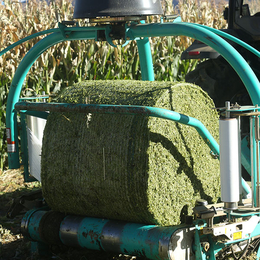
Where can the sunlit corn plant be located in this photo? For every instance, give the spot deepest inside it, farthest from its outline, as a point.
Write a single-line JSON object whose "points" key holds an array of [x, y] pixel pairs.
{"points": [[202, 12], [70, 62], [3, 99]]}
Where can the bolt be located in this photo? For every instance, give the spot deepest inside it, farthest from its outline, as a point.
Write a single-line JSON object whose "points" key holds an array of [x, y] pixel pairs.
{"points": [[205, 246]]}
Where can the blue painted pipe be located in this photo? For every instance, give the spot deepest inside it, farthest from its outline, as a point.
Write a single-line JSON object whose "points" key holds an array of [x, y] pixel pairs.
{"points": [[150, 241], [133, 33], [232, 56], [19, 77], [124, 109], [232, 38], [145, 57]]}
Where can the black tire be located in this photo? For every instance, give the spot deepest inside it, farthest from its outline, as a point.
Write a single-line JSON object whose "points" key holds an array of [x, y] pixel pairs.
{"points": [[220, 81]]}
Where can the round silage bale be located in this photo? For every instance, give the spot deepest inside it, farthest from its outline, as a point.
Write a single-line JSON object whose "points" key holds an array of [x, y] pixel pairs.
{"points": [[130, 167]]}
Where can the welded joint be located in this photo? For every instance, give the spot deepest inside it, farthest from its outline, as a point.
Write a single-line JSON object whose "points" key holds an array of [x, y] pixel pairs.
{"points": [[63, 30]]}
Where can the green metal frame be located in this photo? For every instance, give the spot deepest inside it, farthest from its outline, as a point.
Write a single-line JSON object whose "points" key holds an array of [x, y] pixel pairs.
{"points": [[140, 33], [25, 107]]}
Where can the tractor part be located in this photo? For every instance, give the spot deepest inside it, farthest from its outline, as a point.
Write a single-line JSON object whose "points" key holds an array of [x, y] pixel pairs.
{"points": [[243, 23], [215, 75]]}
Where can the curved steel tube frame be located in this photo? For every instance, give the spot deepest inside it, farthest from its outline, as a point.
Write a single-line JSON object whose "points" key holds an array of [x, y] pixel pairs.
{"points": [[140, 33], [25, 107]]}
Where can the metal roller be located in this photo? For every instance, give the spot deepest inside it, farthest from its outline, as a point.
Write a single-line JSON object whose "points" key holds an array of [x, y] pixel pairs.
{"points": [[151, 241]]}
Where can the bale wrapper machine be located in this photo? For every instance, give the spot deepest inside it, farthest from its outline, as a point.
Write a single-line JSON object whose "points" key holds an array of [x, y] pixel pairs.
{"points": [[230, 227]]}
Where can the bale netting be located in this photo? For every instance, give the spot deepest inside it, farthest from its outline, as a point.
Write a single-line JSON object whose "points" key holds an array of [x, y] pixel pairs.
{"points": [[130, 167]]}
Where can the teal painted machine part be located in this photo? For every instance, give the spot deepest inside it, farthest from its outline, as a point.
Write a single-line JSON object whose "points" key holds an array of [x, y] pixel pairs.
{"points": [[25, 39], [145, 57], [246, 187], [123, 109], [82, 232], [150, 241], [153, 241], [232, 38], [245, 155], [132, 33], [24, 148], [22, 70], [30, 224], [204, 35], [40, 114]]}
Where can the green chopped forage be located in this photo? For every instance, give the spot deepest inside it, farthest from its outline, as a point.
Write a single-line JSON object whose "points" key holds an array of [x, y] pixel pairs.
{"points": [[130, 167]]}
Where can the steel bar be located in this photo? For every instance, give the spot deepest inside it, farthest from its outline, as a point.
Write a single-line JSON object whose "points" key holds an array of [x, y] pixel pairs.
{"points": [[232, 56], [19, 77], [232, 38], [133, 32], [145, 57], [129, 110]]}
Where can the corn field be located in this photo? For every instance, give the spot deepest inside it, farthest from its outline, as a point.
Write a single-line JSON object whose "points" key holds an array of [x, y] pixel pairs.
{"points": [[70, 62]]}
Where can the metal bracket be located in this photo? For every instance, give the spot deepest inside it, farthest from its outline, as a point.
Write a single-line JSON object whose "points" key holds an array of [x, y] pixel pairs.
{"points": [[116, 32], [202, 212], [62, 28], [69, 23], [29, 201], [234, 231], [108, 33], [197, 246], [199, 225]]}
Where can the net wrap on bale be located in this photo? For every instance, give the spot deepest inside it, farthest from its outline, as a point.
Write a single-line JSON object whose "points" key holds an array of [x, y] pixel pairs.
{"points": [[130, 167]]}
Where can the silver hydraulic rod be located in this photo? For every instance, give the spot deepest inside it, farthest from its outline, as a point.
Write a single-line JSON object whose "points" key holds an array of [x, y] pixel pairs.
{"points": [[229, 160], [257, 139]]}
